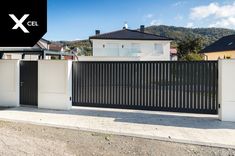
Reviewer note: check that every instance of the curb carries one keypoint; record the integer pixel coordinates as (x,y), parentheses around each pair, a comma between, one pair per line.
(125,134)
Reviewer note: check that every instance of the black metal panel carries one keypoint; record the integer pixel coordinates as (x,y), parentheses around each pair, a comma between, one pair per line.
(162,86)
(29,83)
(1,55)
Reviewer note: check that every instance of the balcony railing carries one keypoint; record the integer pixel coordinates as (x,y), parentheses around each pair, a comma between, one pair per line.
(129,52)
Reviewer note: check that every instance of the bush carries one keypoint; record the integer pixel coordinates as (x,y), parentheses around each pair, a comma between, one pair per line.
(192,57)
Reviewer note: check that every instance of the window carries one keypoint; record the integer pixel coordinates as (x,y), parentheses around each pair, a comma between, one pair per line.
(158,49)
(135,47)
(113,49)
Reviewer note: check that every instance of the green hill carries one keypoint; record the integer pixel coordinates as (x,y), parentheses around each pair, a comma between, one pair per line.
(208,35)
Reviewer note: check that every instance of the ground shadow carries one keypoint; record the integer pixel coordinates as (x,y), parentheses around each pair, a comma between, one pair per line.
(4,108)
(143,117)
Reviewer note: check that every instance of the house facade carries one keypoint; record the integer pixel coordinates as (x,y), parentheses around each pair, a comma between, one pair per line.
(224,48)
(42,50)
(131,44)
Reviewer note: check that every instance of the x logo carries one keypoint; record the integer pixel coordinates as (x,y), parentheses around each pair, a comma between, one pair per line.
(19,23)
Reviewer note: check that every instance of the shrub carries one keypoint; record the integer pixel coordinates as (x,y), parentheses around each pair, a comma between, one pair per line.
(192,57)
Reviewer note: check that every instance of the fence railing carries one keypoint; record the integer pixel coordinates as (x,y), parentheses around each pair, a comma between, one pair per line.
(163,86)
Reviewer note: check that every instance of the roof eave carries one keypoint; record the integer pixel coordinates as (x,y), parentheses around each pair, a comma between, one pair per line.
(20,50)
(219,51)
(95,38)
(42,39)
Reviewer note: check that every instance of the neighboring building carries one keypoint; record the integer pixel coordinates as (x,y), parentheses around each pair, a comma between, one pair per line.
(174,54)
(131,43)
(56,47)
(27,53)
(42,50)
(224,48)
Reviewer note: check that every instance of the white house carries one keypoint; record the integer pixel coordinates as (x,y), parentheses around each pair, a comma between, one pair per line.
(131,44)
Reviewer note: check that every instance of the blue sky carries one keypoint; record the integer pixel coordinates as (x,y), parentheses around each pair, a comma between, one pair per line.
(78,19)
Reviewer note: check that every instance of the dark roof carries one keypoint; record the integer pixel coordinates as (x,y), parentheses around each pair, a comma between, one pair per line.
(127,34)
(226,43)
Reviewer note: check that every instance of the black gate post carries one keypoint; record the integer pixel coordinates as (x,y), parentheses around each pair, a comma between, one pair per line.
(1,55)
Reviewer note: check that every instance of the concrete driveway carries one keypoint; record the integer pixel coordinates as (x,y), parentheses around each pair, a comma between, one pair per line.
(178,127)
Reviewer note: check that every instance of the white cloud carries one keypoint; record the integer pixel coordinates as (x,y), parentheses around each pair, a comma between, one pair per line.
(155,22)
(179,17)
(149,16)
(216,14)
(224,23)
(213,9)
(203,11)
(190,25)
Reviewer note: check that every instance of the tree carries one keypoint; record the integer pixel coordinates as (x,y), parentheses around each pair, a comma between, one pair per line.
(189,48)
(85,51)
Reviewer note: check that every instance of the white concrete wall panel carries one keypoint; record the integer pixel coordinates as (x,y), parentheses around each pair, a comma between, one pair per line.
(9,83)
(227,90)
(55,84)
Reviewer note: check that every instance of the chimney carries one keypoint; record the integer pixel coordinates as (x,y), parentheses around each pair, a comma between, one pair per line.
(142,27)
(126,26)
(97,32)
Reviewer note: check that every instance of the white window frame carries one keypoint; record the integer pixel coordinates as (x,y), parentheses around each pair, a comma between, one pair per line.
(136,47)
(113,47)
(159,49)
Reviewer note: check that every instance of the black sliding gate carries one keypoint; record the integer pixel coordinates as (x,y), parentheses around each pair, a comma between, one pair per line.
(29,83)
(162,86)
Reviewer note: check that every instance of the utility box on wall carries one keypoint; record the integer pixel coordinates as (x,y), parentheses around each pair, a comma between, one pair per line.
(55,84)
(9,83)
(227,90)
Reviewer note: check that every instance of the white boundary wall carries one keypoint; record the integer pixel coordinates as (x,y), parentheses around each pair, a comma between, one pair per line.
(9,83)
(227,90)
(55,84)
